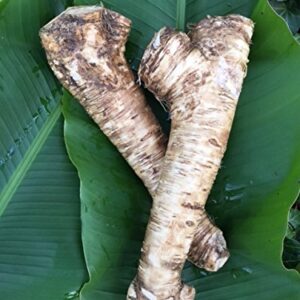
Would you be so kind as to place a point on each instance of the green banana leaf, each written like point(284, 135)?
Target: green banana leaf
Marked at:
point(40, 246)
point(256, 186)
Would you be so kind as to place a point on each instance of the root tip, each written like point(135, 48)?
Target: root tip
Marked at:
point(215, 255)
point(218, 254)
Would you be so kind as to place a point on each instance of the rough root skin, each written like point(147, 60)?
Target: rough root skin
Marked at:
point(208, 249)
point(135, 292)
point(85, 48)
point(200, 76)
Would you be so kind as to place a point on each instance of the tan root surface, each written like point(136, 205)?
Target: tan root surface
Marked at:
point(200, 78)
point(85, 48)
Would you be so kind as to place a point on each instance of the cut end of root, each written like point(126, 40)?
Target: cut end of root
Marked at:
point(64, 30)
point(218, 254)
point(210, 255)
point(223, 26)
point(220, 262)
point(87, 12)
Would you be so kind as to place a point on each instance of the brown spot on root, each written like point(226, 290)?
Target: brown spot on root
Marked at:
point(206, 166)
point(172, 265)
point(190, 223)
point(102, 51)
point(214, 142)
point(193, 206)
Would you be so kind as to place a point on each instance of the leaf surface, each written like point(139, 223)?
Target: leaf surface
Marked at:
point(40, 246)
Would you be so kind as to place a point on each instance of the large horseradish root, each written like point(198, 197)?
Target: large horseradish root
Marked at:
point(200, 77)
point(85, 48)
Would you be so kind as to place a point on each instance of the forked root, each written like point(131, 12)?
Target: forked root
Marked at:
point(200, 77)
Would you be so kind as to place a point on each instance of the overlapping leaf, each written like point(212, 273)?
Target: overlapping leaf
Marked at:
point(290, 11)
point(291, 253)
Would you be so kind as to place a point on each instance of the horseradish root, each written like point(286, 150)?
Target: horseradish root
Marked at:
point(200, 78)
point(85, 48)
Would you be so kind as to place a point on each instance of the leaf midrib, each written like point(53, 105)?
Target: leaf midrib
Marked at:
point(180, 15)
point(16, 179)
